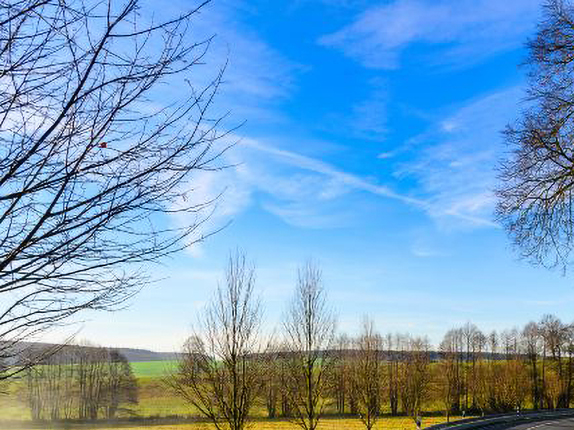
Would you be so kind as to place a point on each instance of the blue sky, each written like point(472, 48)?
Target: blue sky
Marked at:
point(371, 139)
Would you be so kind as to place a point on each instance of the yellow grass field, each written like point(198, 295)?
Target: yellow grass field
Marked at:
point(385, 423)
point(155, 400)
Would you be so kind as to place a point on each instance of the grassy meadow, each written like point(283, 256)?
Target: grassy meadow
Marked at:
point(385, 423)
point(155, 400)
point(152, 369)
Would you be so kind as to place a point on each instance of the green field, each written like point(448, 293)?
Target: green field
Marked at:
point(153, 369)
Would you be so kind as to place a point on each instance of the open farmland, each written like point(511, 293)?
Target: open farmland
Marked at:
point(156, 401)
point(153, 369)
point(281, 215)
point(385, 423)
point(154, 398)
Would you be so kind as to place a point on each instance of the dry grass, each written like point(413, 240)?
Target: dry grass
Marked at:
point(155, 400)
point(386, 423)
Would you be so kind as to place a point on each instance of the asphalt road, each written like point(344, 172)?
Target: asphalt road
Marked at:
point(549, 424)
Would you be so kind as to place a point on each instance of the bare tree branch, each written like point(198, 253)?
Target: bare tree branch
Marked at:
point(91, 163)
point(537, 178)
point(220, 374)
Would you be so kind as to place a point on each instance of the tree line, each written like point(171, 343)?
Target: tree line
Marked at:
point(80, 382)
point(531, 367)
point(305, 369)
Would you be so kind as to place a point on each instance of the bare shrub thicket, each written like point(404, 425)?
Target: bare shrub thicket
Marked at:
point(469, 373)
point(80, 382)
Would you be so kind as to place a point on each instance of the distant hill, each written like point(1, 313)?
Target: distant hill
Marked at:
point(132, 354)
point(135, 355)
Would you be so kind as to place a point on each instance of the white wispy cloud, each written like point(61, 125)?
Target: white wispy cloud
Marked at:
point(344, 178)
point(460, 31)
point(366, 119)
point(257, 76)
point(454, 162)
point(307, 192)
point(466, 206)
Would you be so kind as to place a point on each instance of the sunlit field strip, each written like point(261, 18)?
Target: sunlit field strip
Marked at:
point(153, 369)
point(386, 423)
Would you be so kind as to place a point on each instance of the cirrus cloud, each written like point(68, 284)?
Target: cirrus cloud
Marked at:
point(459, 31)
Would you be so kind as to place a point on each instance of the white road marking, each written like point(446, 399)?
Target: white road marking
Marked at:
point(544, 424)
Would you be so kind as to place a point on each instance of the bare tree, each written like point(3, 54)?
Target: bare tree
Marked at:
point(557, 339)
point(493, 346)
point(121, 387)
point(220, 373)
point(90, 376)
point(416, 376)
point(49, 388)
point(450, 380)
point(531, 338)
point(368, 374)
point(272, 363)
point(340, 383)
point(536, 191)
point(272, 390)
point(83, 382)
point(474, 342)
point(393, 364)
point(309, 332)
point(91, 162)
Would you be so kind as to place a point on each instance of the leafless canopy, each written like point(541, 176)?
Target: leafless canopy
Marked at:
point(368, 374)
point(309, 335)
point(219, 374)
point(91, 161)
point(536, 191)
